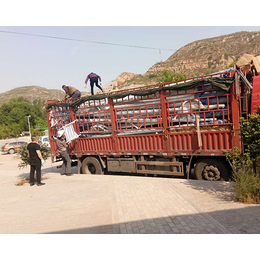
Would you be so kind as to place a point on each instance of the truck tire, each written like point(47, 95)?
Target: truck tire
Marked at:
point(91, 165)
point(11, 151)
point(211, 169)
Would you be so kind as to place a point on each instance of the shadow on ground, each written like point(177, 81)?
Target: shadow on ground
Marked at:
point(219, 189)
point(44, 171)
point(192, 177)
point(237, 221)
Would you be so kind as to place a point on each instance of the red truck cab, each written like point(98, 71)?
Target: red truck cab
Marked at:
point(255, 94)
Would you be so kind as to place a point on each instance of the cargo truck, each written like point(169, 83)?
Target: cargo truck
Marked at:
point(163, 129)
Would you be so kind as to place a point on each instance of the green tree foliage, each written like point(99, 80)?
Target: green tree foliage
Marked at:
point(13, 118)
point(169, 76)
point(4, 131)
point(250, 135)
point(246, 165)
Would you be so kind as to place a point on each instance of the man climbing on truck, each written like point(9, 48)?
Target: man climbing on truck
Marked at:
point(71, 92)
point(93, 77)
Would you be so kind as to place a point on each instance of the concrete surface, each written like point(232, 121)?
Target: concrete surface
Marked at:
point(114, 204)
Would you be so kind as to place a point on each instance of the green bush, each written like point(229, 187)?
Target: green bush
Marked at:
point(246, 165)
point(151, 76)
point(250, 136)
point(45, 150)
point(237, 159)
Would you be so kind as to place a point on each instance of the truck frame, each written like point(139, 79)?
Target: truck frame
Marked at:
point(162, 129)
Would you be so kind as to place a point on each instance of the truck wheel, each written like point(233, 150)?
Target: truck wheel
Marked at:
point(91, 165)
point(11, 151)
point(211, 169)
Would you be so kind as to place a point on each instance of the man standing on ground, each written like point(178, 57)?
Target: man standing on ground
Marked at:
point(62, 149)
point(93, 77)
point(35, 155)
point(71, 92)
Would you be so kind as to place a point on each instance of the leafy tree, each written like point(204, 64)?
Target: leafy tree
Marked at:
point(13, 117)
point(4, 131)
point(14, 129)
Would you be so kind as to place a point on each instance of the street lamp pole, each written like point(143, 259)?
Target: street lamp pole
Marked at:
point(29, 125)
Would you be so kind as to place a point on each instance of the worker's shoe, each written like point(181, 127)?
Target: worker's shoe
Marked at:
point(40, 184)
point(68, 174)
point(62, 173)
point(31, 184)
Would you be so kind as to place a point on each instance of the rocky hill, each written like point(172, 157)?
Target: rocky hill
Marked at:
point(197, 58)
point(123, 80)
point(210, 55)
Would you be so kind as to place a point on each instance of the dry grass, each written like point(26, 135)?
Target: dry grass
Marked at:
point(249, 200)
point(247, 185)
point(21, 182)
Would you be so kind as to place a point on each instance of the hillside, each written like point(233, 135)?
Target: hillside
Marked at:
point(210, 55)
point(33, 93)
point(198, 58)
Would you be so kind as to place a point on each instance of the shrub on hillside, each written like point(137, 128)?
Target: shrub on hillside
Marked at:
point(169, 76)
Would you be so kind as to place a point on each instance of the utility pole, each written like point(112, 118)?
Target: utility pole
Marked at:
point(29, 125)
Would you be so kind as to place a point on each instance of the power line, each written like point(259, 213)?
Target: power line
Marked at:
point(79, 40)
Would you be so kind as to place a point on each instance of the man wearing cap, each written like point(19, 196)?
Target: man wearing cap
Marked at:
point(62, 149)
point(93, 77)
point(71, 92)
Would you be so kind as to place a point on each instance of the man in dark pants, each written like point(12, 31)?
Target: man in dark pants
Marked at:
point(35, 155)
point(62, 149)
point(93, 77)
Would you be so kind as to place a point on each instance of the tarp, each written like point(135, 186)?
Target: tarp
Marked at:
point(219, 82)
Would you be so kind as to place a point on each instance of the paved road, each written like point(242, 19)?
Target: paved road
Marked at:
point(88, 204)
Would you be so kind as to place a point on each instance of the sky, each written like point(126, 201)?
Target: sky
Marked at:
point(93, 33)
point(52, 62)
